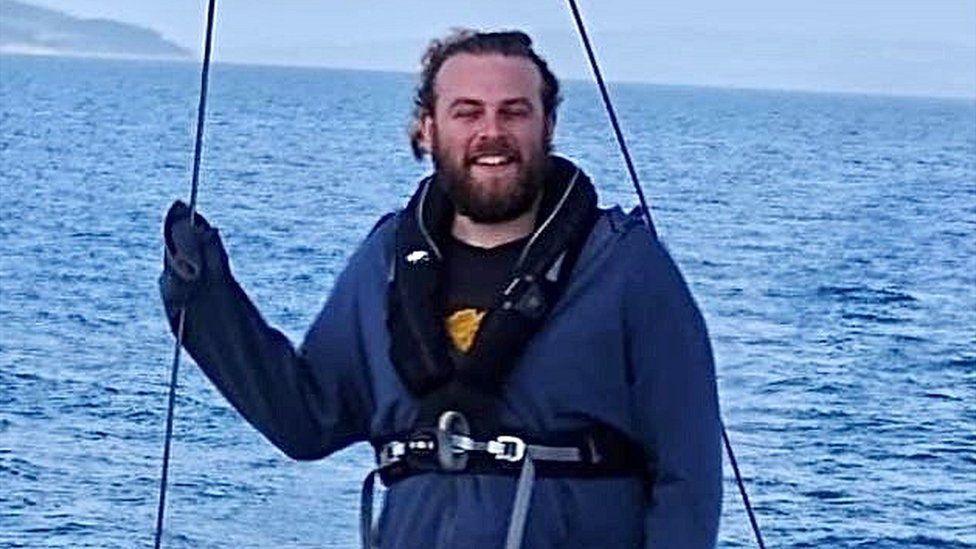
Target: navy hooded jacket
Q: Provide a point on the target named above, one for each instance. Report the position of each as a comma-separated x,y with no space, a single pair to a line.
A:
624,346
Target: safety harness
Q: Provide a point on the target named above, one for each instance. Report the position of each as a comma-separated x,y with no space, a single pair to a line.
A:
457,431
448,448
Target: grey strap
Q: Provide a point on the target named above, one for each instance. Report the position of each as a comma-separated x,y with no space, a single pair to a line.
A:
520,507
554,453
366,510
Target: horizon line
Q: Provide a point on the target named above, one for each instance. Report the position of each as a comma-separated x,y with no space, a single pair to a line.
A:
625,81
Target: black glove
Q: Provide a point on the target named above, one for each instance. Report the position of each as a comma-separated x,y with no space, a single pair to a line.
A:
194,256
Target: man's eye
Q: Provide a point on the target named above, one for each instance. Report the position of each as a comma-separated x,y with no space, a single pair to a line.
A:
465,114
516,113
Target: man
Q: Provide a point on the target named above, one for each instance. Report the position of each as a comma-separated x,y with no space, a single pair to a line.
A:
531,369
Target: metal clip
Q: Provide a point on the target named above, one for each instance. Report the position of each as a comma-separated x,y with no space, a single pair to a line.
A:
507,448
451,456
392,452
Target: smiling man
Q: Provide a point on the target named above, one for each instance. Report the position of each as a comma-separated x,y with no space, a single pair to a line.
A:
531,369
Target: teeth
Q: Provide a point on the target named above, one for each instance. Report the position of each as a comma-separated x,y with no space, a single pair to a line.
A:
492,160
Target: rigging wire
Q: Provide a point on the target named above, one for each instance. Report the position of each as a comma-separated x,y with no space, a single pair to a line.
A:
742,489
197,149
613,117
645,210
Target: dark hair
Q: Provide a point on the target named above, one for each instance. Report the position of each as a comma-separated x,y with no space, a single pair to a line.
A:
508,43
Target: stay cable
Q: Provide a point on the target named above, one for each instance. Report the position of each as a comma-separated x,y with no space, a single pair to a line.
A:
194,186
645,210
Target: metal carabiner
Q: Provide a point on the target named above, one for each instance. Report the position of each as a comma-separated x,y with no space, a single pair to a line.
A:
450,456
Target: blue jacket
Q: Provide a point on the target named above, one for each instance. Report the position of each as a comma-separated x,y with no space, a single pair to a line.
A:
625,346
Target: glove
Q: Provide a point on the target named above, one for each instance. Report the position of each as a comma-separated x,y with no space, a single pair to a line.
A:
193,257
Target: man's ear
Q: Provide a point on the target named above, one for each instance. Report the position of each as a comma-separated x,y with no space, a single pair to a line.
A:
426,136
550,128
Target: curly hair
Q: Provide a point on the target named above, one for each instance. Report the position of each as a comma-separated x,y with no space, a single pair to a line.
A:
507,43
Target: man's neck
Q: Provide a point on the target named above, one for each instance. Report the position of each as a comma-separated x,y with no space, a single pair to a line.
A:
490,235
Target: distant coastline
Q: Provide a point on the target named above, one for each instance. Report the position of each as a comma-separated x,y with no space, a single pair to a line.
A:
31,30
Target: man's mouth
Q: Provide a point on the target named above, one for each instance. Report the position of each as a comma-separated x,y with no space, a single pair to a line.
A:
492,160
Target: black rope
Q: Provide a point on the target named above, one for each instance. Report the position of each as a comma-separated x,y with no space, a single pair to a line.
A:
645,210
742,489
198,147
613,117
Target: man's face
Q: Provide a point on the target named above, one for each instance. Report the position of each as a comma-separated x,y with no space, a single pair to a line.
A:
489,135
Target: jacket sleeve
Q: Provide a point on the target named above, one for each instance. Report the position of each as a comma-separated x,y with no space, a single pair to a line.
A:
676,404
308,402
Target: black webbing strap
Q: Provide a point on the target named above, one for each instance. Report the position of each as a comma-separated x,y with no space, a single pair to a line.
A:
449,449
589,454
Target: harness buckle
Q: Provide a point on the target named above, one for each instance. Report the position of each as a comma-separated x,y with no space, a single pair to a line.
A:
507,448
392,452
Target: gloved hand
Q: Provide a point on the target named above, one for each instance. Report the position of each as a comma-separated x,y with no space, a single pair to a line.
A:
194,256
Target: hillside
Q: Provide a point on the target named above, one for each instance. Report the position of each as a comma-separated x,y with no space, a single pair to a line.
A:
34,30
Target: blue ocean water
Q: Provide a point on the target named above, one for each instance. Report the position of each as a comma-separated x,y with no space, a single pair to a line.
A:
829,240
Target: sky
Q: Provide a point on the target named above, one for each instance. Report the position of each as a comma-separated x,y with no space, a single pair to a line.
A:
919,47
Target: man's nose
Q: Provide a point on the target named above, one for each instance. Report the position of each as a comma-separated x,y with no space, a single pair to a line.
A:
491,125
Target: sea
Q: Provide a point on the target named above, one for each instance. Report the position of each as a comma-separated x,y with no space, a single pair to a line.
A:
829,239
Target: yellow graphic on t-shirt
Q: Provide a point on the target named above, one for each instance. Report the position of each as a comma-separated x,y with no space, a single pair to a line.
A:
462,326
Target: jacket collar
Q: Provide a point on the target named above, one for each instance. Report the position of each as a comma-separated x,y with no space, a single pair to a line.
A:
434,212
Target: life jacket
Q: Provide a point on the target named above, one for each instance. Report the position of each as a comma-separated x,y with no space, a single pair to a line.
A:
429,366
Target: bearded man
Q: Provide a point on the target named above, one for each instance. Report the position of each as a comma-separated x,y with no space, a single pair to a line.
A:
531,369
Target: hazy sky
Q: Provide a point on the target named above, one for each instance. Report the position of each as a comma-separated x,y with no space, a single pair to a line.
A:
920,47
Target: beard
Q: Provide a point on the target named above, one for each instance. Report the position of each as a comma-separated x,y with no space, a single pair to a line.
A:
496,199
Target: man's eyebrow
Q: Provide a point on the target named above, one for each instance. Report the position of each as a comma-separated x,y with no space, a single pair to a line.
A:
521,101
465,101
471,102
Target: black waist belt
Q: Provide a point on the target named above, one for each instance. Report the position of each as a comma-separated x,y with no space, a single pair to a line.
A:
449,449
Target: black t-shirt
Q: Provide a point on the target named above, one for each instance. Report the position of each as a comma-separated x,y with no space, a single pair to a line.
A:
473,277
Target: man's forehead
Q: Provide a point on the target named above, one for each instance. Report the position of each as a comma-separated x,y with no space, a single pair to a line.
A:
488,77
